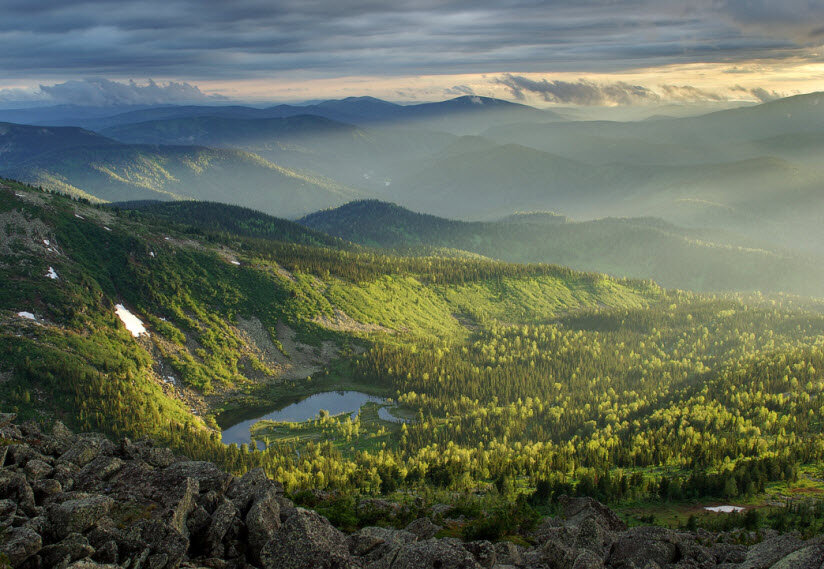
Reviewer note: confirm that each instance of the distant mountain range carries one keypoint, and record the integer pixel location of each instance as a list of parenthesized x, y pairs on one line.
[(753, 171), (462, 114), (89, 165)]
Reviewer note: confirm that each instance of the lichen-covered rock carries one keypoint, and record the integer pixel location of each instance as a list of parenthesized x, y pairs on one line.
[(576, 510), (423, 528), (226, 515), (306, 541), (640, 545), (765, 554), (71, 548), (810, 557), (262, 523), (586, 559), (77, 515), (483, 551), (440, 553), (208, 475), (19, 544)]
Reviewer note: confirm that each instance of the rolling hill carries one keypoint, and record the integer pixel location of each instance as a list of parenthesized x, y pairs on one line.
[(633, 247), (83, 163)]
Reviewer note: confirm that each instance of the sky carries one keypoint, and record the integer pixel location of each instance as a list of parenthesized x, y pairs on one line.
[(546, 53)]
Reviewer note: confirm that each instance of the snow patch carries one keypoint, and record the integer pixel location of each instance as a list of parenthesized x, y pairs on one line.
[(27, 315), (170, 379), (724, 509), (106, 228), (52, 274), (46, 242), (151, 254), (78, 216), (167, 238), (19, 195), (132, 322), (235, 263)]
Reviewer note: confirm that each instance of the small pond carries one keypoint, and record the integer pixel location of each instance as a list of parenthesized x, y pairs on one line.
[(336, 402)]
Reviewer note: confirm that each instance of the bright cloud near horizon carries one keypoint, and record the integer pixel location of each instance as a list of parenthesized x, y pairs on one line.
[(586, 52)]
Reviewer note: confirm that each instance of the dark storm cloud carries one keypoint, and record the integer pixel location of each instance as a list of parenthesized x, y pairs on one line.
[(210, 39)]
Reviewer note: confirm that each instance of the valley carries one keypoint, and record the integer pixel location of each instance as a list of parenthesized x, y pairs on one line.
[(513, 379)]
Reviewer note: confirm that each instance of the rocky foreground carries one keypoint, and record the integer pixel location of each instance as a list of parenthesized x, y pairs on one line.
[(83, 502)]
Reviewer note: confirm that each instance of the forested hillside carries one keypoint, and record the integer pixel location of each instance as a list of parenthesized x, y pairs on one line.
[(509, 379), (693, 259)]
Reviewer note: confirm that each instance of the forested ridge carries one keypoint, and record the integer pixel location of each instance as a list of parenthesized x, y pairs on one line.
[(530, 380)]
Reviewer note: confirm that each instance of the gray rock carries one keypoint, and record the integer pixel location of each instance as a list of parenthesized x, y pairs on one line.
[(86, 564), (306, 541), (37, 469), (287, 508), (77, 515), (483, 551), (71, 548), (640, 545), (45, 489), (106, 553), (576, 510), (423, 528), (157, 542), (262, 523), (593, 536), (439, 553), (64, 472), (19, 544), (208, 475), (763, 555), (8, 509), (226, 515), (251, 487), (100, 469), (810, 557), (508, 553), (376, 547), (728, 553), (588, 560), (84, 450)]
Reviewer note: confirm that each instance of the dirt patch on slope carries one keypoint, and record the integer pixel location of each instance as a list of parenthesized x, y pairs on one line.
[(297, 360), (342, 322)]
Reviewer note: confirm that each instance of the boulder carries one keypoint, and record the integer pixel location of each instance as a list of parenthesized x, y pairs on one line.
[(77, 515), (576, 510), (810, 557), (208, 475), (440, 553), (262, 522), (306, 541), (37, 469), (483, 551), (71, 548), (640, 545), (765, 554), (423, 528), (85, 449), (252, 487), (19, 544), (588, 560), (508, 553), (224, 518)]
